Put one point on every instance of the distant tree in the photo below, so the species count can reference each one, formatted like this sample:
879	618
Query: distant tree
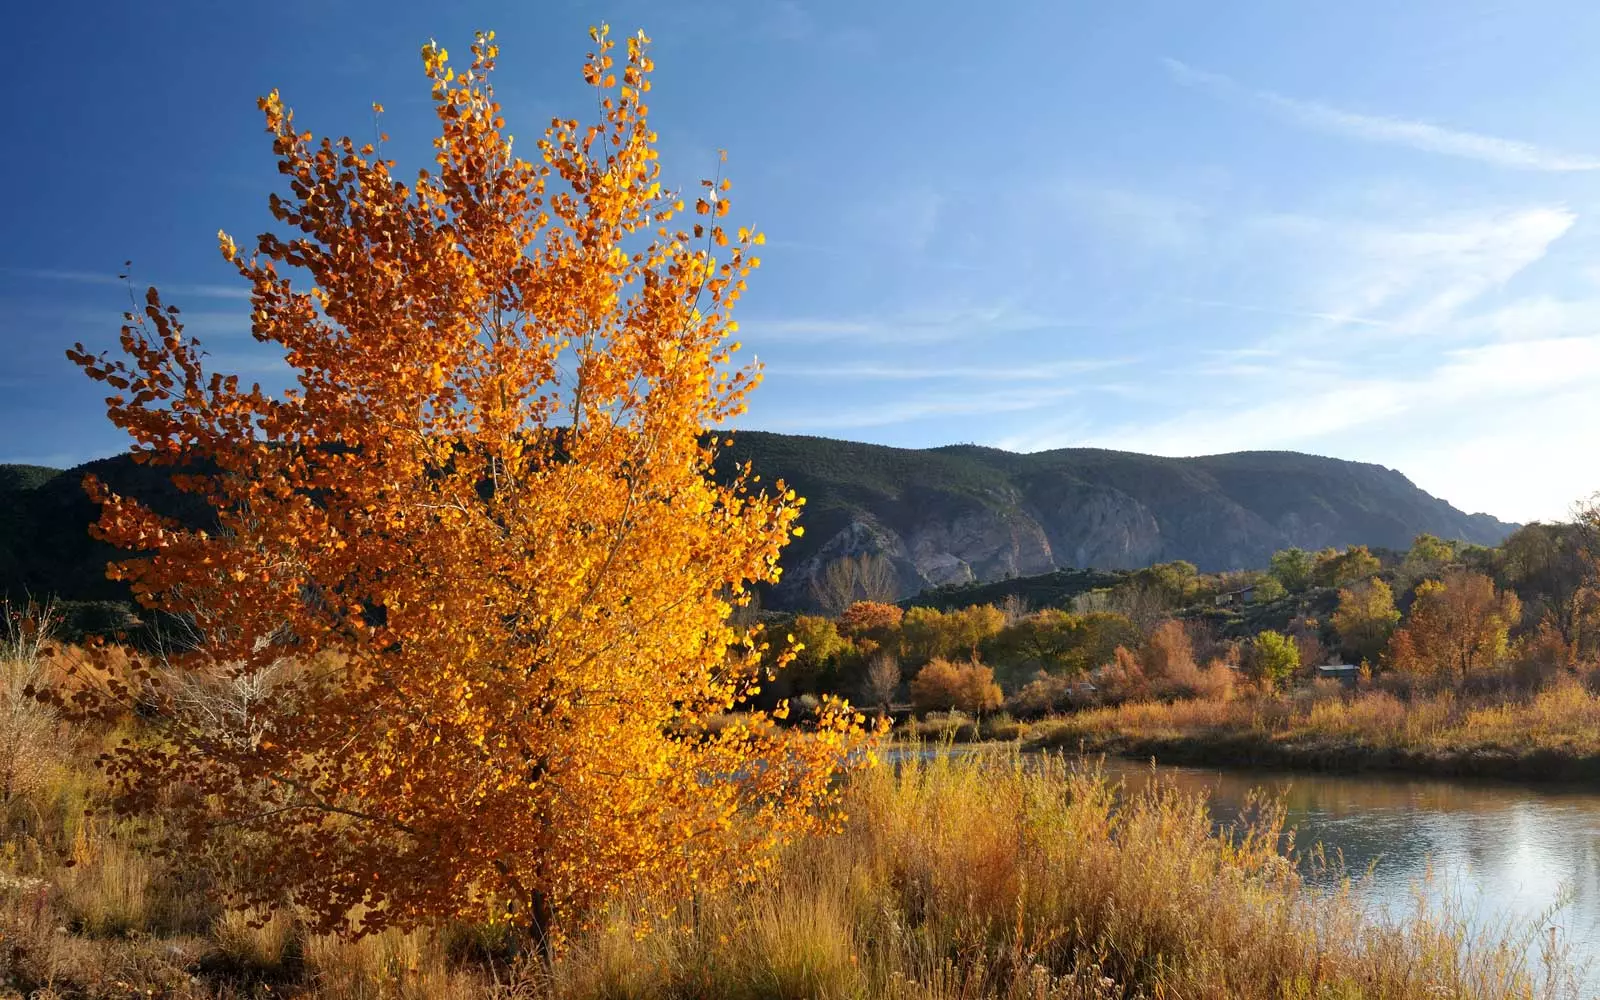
1292	567
1104	631
924	635
1458	624
1168	653
1015	608
929	634
1428	554
1268	589
876	578
972	626
1338	569
818	646
1555	569
883	680
866	576
1123	679
1145	605
1308	640
1176	580
873	621
1365	619
1273	658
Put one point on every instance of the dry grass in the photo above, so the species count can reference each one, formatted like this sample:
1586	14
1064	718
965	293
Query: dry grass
988	875
1563	720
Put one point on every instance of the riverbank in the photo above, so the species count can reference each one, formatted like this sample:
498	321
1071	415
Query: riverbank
1553	736
977	876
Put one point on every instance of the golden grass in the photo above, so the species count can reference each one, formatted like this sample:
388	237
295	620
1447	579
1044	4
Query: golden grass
993	874
1563	719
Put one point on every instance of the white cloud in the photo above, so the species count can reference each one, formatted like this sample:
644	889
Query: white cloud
1394	131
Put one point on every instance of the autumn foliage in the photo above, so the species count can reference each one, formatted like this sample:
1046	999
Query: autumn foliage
468	589
1458	625
968	687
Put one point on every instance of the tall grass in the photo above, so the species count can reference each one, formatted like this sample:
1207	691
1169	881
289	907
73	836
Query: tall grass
995	875
1562	719
987	875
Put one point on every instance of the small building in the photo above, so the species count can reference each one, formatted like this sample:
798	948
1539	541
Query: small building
1236	597
1345	673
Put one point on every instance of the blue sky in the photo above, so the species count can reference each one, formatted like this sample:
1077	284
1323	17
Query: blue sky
1366	229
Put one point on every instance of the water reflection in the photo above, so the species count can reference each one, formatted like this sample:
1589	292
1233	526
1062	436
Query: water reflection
1496	854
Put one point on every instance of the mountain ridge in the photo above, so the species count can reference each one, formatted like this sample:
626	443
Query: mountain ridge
952	514
971	513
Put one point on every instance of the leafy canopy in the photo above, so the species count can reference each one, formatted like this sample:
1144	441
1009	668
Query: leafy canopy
475	554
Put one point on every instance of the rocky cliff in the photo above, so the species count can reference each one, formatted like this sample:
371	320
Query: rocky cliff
962	513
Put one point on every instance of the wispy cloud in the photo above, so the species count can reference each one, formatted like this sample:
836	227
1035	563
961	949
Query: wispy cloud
1315	407
1290	313
1380	280
90	278
1420	135
922	326
952	371
906	410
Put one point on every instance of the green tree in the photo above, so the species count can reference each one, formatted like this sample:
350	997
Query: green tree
1428	553
1292	567
1338	569
924	635
1269	589
1273	658
818	647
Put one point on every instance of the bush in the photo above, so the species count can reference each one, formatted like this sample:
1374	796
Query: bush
942	685
1123	679
1048	694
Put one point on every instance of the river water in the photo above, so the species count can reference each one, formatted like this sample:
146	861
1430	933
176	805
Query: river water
1499	855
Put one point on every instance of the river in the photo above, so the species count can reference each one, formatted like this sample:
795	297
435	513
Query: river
1497	854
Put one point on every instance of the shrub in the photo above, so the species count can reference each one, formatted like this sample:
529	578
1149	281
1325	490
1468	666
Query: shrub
1123	679
1048	693
942	685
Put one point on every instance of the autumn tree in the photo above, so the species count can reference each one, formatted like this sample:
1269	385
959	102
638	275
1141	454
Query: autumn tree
1428	553
872	621
1307	637
817	647
1458	624
1365	619
928	633
882	681
484	520
1555	569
